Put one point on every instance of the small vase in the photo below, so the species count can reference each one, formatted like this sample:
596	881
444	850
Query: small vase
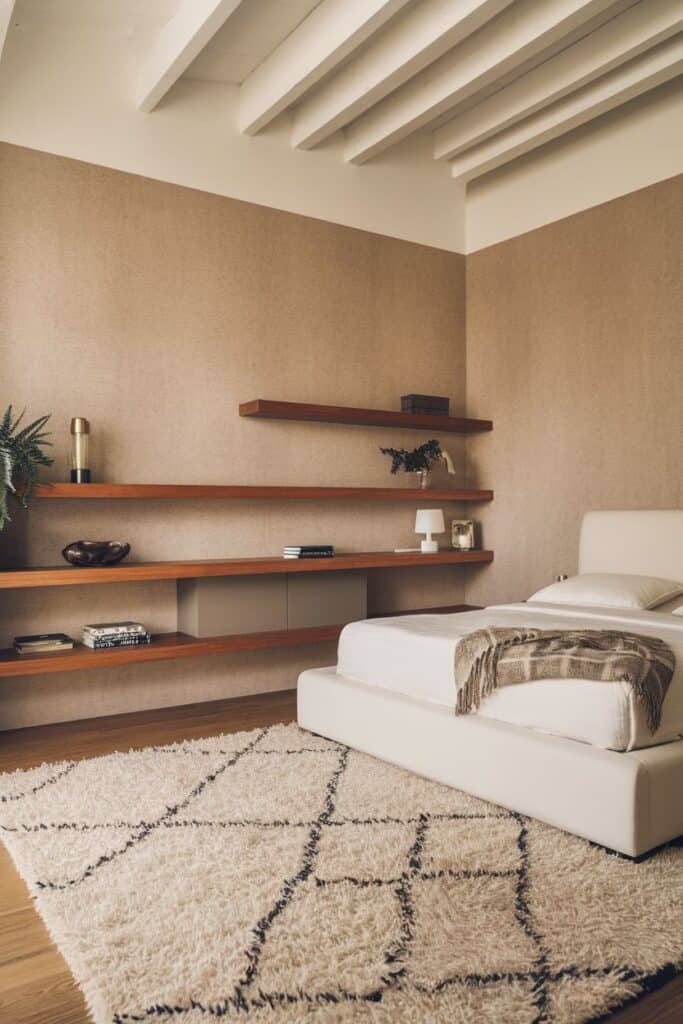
425	477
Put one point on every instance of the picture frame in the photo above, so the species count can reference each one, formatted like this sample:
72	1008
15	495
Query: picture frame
462	534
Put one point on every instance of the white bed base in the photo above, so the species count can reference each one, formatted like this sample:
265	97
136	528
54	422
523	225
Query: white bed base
630	802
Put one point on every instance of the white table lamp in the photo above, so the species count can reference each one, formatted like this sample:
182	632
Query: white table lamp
429	521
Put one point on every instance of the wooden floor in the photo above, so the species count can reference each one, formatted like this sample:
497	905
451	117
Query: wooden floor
36	986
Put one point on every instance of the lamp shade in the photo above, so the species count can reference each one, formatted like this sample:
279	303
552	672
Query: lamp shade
429	520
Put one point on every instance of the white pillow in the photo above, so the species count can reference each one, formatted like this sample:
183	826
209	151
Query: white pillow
610	590
673	607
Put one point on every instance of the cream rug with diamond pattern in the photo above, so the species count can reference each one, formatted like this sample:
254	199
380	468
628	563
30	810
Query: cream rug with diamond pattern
278	877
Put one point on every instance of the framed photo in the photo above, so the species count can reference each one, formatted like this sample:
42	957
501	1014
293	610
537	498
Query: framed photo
462	534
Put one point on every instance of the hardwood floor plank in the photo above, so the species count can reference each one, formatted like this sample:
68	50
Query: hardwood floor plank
662	1007
73	741
20	936
40	990
13	892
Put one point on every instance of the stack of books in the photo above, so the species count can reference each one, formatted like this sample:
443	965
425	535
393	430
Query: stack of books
308	551
41	643
101	635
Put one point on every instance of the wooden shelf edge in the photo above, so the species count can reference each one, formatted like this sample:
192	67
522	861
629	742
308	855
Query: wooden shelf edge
164	647
127	572
264	408
241	492
169	646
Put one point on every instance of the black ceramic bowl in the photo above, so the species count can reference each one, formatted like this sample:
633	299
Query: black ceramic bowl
95	552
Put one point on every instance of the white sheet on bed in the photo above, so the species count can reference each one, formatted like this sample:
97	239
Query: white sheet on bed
414	655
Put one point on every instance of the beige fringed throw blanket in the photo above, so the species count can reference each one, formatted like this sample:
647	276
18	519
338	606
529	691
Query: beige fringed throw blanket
490	658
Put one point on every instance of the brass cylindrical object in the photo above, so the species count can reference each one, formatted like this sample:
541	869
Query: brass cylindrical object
80	431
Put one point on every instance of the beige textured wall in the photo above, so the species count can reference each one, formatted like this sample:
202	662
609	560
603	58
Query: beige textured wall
574	349
153	310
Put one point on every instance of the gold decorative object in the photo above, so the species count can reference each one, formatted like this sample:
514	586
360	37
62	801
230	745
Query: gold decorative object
80	432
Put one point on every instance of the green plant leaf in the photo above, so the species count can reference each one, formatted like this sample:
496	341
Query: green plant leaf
21	453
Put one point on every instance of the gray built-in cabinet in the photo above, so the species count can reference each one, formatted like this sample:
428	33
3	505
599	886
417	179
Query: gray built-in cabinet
222	606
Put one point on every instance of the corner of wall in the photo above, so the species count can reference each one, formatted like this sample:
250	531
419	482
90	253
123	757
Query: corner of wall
627	149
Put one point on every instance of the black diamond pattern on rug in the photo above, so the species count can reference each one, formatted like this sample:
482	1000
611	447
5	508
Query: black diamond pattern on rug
278	876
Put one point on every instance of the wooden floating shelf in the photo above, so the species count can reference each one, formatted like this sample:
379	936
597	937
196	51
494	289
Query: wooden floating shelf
94	492
265	409
164	647
169	646
129	572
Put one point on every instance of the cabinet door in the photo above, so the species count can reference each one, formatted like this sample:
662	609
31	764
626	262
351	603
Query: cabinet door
228	605
326	598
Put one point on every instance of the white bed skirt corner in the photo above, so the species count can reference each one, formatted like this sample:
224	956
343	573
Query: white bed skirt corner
630	802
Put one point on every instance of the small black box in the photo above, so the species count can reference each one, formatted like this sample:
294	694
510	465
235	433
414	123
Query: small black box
433	405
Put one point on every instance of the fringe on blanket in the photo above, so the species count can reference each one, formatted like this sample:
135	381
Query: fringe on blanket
488	659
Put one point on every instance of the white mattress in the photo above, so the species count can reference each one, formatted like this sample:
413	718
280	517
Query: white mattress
414	655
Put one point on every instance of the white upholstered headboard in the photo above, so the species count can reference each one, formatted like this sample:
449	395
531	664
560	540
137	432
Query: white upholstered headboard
642	542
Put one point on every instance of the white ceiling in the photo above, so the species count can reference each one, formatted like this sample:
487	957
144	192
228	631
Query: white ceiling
124	15
489	80
245	40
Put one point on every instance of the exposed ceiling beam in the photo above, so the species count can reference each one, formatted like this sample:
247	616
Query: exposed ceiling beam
179	42
6	8
637	30
522	32
329	34
640	75
421	35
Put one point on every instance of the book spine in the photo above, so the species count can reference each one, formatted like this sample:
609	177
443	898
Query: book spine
297	551
42	638
114	636
309	547
312	554
42	646
98	645
20	649
106	632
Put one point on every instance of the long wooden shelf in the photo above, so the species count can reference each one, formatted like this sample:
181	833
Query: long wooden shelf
266	409
128	572
94	492
164	647
169	646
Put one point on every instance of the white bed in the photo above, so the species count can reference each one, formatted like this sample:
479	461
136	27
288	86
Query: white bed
574	753
421	666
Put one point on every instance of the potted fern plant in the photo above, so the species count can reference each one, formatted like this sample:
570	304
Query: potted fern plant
21	454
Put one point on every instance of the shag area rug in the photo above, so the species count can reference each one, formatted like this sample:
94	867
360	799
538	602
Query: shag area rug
278	877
